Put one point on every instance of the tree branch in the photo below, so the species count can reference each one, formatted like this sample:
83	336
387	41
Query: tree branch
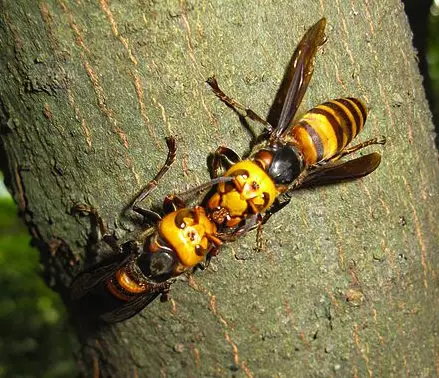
348	279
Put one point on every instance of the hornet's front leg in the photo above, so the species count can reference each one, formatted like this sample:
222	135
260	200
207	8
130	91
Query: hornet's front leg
223	154
172	150
235	105
97	225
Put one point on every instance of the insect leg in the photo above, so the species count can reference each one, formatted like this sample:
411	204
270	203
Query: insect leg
149	215
172	149
259	239
173	202
164	294
97	223
177	201
236	106
279	204
350	150
250	223
223	153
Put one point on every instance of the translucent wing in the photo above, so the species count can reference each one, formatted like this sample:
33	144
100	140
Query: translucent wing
341	171
330	173
299	75
129	309
88	280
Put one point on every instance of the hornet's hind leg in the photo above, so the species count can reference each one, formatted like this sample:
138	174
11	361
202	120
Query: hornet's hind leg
357	147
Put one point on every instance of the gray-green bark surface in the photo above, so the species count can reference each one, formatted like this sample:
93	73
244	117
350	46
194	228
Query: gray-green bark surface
347	284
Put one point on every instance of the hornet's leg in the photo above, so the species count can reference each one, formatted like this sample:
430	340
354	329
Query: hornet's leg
148	215
278	204
251	222
259	239
223	154
331	165
350	150
236	106
165	290
97	223
172	149
174	202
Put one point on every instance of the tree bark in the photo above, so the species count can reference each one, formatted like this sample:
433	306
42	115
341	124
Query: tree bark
347	283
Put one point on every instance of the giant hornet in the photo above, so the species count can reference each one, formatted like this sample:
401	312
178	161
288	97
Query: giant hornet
293	153
144	267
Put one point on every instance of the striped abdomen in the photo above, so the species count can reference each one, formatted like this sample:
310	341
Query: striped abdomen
123	286
328	128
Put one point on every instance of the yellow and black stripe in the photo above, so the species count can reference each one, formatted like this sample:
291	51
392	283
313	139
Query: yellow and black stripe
327	129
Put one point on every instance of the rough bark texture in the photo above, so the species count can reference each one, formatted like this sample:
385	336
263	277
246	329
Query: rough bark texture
348	282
